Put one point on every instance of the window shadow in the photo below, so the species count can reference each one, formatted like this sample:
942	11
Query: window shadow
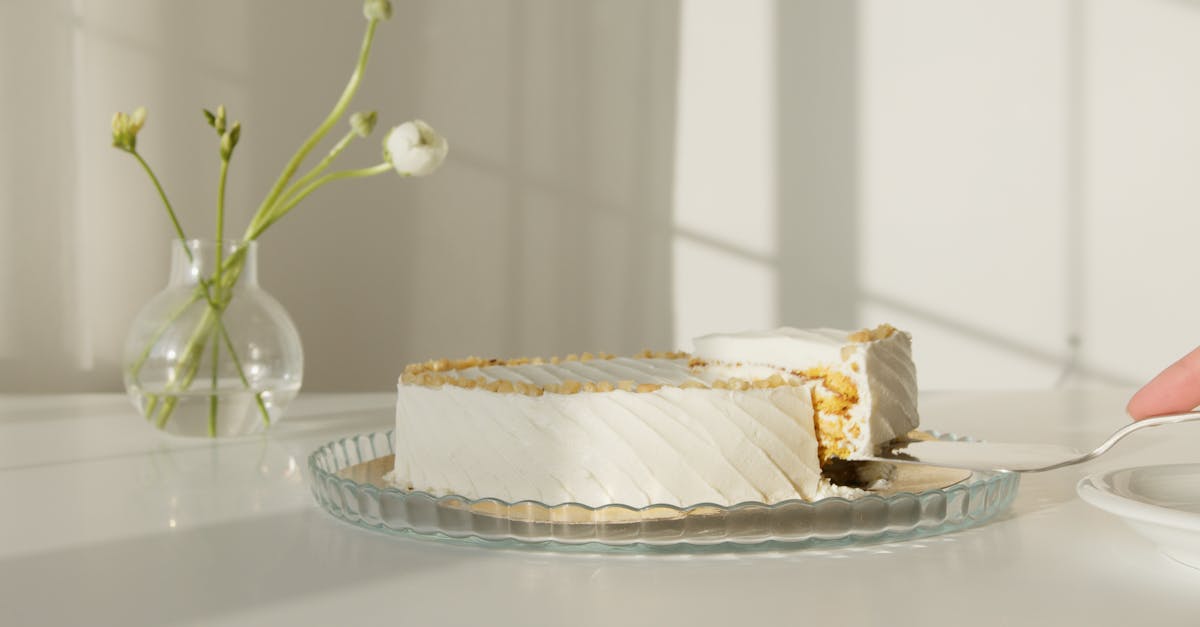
818	162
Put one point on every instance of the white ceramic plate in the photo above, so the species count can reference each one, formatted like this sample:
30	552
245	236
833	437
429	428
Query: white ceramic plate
1160	502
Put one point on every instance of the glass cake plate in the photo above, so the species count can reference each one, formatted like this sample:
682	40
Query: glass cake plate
348	482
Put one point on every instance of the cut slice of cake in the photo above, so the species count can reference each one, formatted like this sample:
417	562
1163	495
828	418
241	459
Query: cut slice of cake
733	423
864	384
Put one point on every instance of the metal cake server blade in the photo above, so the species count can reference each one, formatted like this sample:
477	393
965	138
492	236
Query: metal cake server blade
1011	456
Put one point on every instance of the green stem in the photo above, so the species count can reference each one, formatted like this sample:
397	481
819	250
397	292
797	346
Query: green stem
151	403
338	109
221	215
189	363
166	203
136	368
310	175
212	398
311	187
237	364
203	290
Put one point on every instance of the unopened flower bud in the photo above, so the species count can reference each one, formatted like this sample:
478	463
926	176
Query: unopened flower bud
120	122
415	149
377	9
219	123
363	123
137	120
125	128
229	140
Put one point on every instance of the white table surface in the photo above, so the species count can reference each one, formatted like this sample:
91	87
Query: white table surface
107	522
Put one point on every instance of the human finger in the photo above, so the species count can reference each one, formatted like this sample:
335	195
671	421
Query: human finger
1175	389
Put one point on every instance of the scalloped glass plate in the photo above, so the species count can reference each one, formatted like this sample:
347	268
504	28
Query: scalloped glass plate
347	481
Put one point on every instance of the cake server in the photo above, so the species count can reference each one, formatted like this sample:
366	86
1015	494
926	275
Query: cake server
1011	456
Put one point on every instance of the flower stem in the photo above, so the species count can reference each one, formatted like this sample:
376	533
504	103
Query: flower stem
310	175
283	210
189	363
338	109
151	403
237	364
214	399
136	368
166	203
221	216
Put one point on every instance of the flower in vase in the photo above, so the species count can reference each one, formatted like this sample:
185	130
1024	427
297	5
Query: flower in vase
412	149
415	149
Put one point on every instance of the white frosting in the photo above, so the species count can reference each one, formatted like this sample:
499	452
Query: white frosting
673	372
674	446
882	370
678	446
660	371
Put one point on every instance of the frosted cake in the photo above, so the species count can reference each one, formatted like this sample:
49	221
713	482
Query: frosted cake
746	417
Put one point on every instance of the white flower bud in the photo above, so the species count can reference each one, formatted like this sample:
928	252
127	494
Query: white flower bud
415	149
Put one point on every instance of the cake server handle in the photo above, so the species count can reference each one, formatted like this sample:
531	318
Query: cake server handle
1012	456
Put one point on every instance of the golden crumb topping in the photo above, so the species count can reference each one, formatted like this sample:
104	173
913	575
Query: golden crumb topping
436	373
880	332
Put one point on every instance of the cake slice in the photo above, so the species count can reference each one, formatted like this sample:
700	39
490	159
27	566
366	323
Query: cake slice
750	417
863	384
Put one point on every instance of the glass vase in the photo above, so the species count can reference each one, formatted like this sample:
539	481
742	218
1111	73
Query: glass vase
213	354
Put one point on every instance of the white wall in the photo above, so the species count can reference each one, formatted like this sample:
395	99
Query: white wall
1030	177
997	176
966	198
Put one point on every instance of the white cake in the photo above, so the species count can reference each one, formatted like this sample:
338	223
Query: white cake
735	422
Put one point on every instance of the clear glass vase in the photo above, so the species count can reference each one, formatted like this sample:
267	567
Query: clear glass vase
213	354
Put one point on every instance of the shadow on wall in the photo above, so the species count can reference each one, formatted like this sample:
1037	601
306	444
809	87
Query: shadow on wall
818	204
766	190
